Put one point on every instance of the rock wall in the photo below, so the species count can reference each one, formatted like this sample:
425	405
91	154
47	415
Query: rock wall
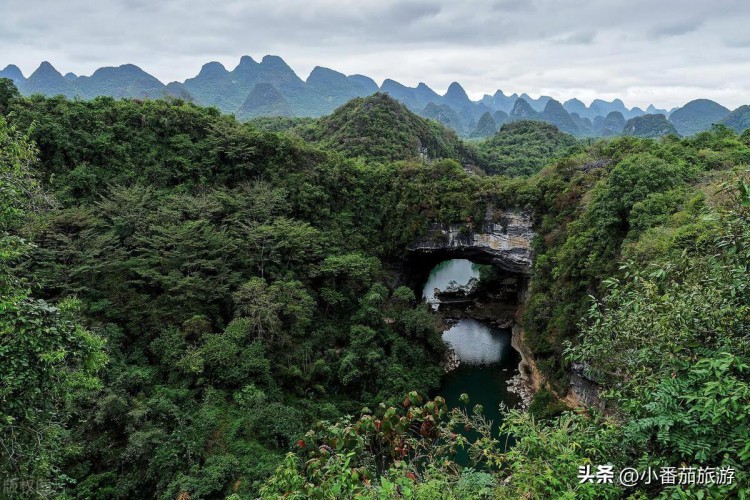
503	239
583	390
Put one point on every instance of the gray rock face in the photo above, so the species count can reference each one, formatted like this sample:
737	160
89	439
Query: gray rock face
583	388
502	239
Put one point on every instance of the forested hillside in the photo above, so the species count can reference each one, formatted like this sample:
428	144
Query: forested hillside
381	128
224	270
194	307
524	148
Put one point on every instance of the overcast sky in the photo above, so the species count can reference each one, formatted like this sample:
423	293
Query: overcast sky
665	52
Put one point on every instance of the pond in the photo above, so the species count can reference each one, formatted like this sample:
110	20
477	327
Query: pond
487	359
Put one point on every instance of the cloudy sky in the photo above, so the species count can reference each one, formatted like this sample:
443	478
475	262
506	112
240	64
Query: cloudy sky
665	52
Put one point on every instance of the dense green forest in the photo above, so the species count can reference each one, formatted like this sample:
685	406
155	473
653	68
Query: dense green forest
381	128
193	307
523	148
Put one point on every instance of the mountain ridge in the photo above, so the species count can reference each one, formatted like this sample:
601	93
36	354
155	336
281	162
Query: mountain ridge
324	90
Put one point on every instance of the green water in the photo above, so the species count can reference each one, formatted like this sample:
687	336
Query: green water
487	358
459	271
488	361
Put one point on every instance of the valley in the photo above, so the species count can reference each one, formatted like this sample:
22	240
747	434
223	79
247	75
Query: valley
208	307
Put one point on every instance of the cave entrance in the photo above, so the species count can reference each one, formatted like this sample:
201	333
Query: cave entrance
452	281
491	287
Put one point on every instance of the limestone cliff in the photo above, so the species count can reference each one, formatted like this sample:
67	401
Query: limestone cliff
503	239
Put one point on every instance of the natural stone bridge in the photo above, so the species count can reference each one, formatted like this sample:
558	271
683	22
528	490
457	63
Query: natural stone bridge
503	239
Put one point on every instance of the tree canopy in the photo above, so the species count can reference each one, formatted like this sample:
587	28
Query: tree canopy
194	307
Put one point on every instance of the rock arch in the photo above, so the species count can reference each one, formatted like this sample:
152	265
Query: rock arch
502	239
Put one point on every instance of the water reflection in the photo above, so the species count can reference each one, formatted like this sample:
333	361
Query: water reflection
488	361
477	343
460	271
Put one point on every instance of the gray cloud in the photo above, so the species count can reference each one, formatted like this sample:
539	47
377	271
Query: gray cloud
642	51
676	29
512	6
734	41
579	38
411	12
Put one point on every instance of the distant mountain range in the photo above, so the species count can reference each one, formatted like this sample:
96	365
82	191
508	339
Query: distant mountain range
271	88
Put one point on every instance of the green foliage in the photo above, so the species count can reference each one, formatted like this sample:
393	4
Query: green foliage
637	196
486	126
240	283
545	459
649	126
669	341
545	406
86	146
381	129
409	452
47	359
522	148
279	123
375	456
19	192
739	119
237	278
8	92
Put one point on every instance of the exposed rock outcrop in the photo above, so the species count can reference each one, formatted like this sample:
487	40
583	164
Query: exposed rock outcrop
527	370
451	361
583	390
502	239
